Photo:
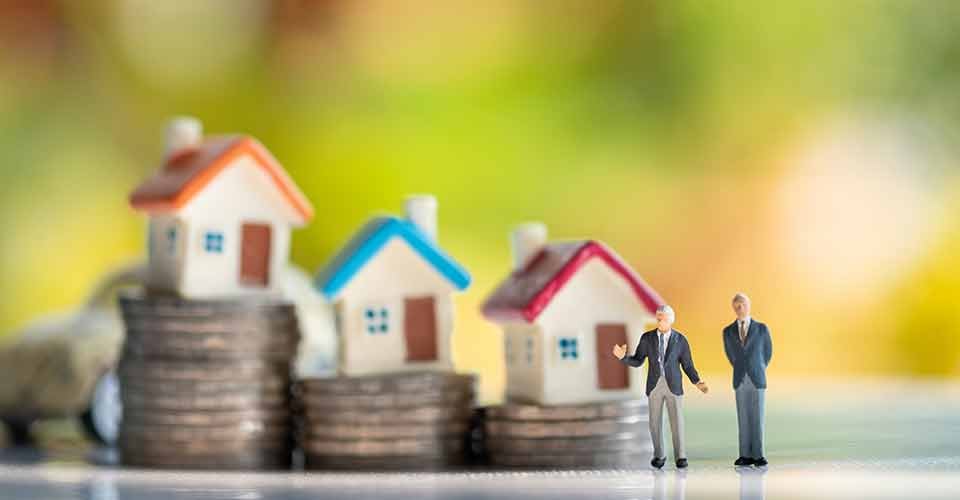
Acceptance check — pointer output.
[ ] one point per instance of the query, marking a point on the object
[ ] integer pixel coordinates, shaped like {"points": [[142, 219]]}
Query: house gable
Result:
{"points": [[422, 262]]}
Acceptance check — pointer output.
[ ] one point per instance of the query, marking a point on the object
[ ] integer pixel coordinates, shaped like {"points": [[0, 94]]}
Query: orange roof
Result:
{"points": [[187, 172]]}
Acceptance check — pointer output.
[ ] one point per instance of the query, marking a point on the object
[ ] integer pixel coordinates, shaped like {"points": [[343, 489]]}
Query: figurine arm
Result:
{"points": [[767, 347], [686, 362], [727, 348], [637, 358]]}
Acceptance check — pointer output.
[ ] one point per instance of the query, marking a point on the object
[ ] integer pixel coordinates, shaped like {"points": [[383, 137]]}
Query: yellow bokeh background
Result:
{"points": [[802, 152]]}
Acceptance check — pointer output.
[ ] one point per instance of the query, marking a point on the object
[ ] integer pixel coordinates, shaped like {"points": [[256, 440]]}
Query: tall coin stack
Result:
{"points": [[595, 435], [206, 384], [409, 421]]}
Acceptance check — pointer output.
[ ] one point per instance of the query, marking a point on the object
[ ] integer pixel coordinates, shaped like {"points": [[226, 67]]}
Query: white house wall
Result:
{"points": [[395, 273], [596, 294], [523, 357], [241, 193], [165, 255]]}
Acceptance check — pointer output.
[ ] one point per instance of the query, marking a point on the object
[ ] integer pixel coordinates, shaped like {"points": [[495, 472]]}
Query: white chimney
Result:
{"points": [[183, 132], [422, 211], [526, 240]]}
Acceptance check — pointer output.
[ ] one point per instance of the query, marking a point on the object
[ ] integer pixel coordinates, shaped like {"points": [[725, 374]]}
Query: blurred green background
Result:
{"points": [[802, 152]]}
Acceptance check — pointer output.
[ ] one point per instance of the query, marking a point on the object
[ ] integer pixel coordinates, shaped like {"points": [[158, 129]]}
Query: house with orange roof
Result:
{"points": [[562, 308], [220, 210]]}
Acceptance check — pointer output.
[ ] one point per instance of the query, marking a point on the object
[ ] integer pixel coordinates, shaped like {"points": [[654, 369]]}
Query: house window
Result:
{"points": [[530, 351], [172, 241], [213, 242], [376, 320], [568, 348]]}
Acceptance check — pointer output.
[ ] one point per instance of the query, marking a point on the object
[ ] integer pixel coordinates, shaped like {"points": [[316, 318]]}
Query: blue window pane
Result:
{"points": [[372, 329], [370, 313], [383, 327]]}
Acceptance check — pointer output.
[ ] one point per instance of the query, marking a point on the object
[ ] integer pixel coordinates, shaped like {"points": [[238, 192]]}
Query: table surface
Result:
{"points": [[825, 439]]}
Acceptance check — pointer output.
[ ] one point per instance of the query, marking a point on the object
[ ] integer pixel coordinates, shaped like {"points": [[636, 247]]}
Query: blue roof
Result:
{"points": [[370, 239]]}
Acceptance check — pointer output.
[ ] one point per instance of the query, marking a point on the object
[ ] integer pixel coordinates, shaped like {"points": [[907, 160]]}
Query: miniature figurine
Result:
{"points": [[392, 286], [747, 344], [562, 308], [220, 209], [668, 352]]}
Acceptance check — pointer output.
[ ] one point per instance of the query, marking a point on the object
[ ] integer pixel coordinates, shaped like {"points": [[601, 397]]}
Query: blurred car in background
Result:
{"points": [[62, 365]]}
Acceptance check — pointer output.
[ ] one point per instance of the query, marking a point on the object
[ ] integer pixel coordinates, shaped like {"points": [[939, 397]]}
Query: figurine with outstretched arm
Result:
{"points": [[668, 352], [747, 344]]}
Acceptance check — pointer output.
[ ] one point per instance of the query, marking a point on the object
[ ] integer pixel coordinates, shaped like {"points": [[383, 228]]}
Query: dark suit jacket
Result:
{"points": [[752, 358], [677, 356]]}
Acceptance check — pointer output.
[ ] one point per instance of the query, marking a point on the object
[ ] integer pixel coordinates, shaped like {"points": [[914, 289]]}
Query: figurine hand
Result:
{"points": [[620, 351], [703, 387]]}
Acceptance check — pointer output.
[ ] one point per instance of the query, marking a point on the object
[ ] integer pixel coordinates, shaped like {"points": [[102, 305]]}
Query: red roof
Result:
{"points": [[527, 292], [187, 172]]}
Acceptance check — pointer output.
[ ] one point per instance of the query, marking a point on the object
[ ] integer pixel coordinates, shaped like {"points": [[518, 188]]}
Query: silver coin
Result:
{"points": [[154, 299], [386, 400], [560, 429], [391, 383], [387, 416], [200, 418], [589, 411], [144, 447], [625, 441], [391, 447], [236, 340], [348, 431]]}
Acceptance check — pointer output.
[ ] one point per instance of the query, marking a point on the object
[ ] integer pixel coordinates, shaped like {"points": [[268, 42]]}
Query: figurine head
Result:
{"points": [[741, 305], [665, 318]]}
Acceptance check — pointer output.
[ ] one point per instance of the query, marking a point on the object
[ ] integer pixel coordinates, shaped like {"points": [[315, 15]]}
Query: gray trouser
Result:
{"points": [[750, 418], [661, 394]]}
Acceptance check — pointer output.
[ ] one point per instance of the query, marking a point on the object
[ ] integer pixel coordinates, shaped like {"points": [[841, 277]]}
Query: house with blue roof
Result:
{"points": [[392, 287]]}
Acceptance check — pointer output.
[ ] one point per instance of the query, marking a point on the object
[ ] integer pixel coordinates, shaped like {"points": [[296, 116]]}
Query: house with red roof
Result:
{"points": [[562, 309], [220, 211]]}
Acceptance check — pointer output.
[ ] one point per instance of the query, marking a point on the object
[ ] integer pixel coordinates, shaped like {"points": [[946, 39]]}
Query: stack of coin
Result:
{"points": [[408, 421], [206, 384], [596, 435]]}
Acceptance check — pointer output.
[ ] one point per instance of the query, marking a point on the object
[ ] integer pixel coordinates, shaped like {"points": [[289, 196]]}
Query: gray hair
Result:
{"points": [[665, 309], [740, 297]]}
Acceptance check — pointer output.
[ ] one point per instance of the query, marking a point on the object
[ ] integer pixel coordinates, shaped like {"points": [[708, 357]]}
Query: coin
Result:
{"points": [[181, 387], [387, 416], [140, 300], [392, 383], [237, 401], [589, 411], [356, 431], [201, 355], [250, 461], [198, 418], [184, 370], [386, 400], [247, 429], [570, 428], [620, 460], [432, 462], [391, 447], [614, 442]]}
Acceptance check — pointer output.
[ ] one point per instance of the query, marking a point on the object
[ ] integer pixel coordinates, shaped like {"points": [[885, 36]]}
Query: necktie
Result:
{"points": [[662, 350], [743, 333]]}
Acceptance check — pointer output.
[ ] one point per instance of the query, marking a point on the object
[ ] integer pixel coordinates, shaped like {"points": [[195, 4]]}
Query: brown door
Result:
{"points": [[611, 373], [420, 329], [255, 255]]}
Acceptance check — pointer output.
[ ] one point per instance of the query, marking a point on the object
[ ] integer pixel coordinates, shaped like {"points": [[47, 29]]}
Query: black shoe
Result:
{"points": [[743, 462], [760, 462], [658, 463], [681, 463]]}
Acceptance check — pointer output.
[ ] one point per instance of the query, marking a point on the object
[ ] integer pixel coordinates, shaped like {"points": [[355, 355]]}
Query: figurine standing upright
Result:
{"points": [[668, 351], [747, 344]]}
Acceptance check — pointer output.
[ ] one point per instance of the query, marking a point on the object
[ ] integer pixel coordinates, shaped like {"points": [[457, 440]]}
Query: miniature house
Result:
{"points": [[220, 212], [392, 287], [562, 309]]}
